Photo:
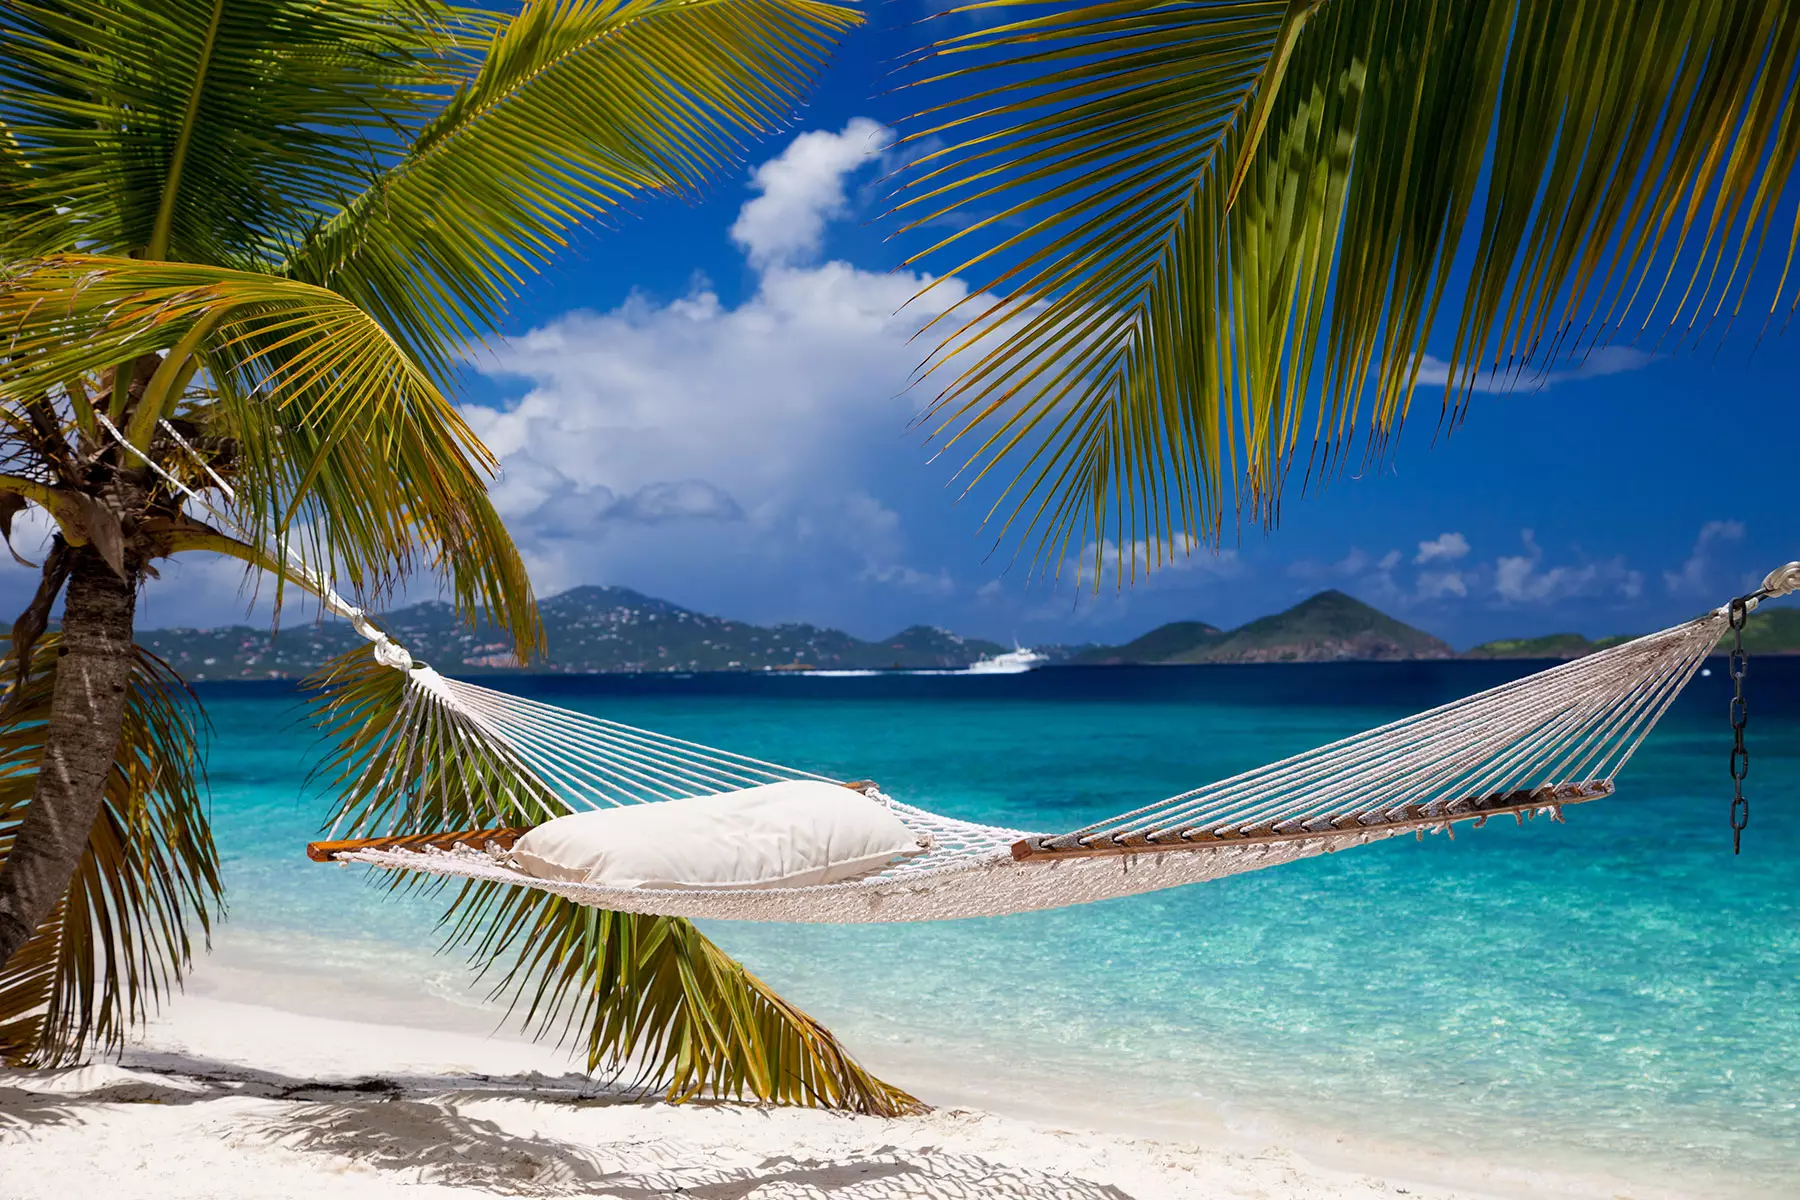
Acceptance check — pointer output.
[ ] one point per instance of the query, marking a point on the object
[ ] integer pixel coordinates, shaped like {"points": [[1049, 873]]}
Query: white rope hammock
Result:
{"points": [[1525, 748]]}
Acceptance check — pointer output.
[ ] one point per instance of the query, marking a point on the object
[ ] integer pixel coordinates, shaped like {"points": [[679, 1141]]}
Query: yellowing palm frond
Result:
{"points": [[122, 937], [654, 995], [646, 993], [1224, 232], [347, 450]]}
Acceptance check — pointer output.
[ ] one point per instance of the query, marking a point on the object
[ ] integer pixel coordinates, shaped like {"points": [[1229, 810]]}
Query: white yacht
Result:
{"points": [[1016, 661]]}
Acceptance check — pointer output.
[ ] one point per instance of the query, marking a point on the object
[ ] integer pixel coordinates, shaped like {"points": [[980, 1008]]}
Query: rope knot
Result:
{"points": [[390, 653], [387, 651], [1782, 580]]}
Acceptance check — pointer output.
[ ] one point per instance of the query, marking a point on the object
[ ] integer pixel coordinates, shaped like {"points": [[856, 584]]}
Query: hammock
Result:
{"points": [[1526, 748]]}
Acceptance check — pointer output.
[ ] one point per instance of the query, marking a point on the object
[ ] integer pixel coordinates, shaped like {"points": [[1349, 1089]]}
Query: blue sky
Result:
{"points": [[708, 403]]}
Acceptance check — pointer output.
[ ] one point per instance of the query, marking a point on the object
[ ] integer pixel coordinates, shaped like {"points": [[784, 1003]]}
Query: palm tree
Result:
{"points": [[1218, 236], [243, 245]]}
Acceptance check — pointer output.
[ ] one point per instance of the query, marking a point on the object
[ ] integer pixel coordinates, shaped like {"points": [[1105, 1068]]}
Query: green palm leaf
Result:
{"points": [[567, 110], [636, 992], [346, 451], [1222, 232], [209, 130], [122, 937]]}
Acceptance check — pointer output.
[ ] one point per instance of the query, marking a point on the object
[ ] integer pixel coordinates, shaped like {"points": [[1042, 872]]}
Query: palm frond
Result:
{"points": [[122, 937], [348, 452], [567, 110], [646, 995], [1223, 232], [203, 130], [403, 761], [653, 998]]}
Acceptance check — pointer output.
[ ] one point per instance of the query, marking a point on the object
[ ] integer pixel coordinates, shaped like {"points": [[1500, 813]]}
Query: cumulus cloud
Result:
{"points": [[1523, 578], [763, 412], [802, 188], [761, 433], [1695, 575], [1446, 547], [1438, 585]]}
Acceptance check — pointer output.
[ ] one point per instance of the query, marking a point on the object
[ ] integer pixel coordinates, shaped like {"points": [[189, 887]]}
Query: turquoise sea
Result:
{"points": [[1615, 1000]]}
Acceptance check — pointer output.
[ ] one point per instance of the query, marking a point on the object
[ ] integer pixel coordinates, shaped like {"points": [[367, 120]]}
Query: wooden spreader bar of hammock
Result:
{"points": [[479, 839], [1436, 814]]}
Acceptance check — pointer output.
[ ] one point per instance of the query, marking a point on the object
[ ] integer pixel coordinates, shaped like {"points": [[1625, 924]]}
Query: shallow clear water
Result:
{"points": [[1618, 995]]}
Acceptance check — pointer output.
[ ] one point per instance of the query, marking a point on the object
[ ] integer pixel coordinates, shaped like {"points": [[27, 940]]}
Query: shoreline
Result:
{"points": [[341, 1052]]}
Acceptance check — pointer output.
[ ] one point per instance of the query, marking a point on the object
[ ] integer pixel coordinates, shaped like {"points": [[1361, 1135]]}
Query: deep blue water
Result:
{"points": [[1619, 993]]}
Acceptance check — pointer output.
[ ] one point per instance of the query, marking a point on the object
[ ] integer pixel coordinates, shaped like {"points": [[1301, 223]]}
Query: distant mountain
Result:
{"points": [[1325, 628], [1768, 631], [1165, 643], [1551, 645], [1328, 627], [1772, 631], [586, 629], [617, 629]]}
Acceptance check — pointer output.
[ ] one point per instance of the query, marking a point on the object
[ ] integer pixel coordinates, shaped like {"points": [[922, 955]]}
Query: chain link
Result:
{"points": [[1740, 716]]}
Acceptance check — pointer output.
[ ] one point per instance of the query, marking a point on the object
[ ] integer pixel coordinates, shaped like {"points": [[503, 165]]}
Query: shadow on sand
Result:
{"points": [[415, 1128]]}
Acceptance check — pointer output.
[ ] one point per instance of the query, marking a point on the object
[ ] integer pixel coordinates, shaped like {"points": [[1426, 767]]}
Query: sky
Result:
{"points": [[709, 402]]}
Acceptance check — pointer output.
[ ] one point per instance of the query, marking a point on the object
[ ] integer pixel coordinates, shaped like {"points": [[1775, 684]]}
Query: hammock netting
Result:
{"points": [[1525, 749]]}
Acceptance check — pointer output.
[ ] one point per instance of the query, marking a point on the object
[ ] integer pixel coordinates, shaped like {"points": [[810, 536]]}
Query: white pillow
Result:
{"points": [[789, 834]]}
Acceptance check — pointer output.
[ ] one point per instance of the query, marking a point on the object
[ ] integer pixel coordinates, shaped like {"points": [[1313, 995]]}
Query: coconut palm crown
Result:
{"points": [[1216, 237], [243, 245]]}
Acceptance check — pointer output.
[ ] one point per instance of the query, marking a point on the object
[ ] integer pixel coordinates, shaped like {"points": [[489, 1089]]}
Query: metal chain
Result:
{"points": [[1740, 716]]}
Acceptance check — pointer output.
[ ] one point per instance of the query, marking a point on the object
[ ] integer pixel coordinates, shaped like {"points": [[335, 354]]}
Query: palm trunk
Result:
{"points": [[87, 710]]}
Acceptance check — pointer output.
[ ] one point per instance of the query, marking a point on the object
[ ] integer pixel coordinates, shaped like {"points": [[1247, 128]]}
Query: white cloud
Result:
{"points": [[929, 583], [1446, 547], [1389, 561], [764, 413], [1523, 579], [1695, 575], [1144, 557], [803, 187], [763, 438], [1599, 362], [1436, 585]]}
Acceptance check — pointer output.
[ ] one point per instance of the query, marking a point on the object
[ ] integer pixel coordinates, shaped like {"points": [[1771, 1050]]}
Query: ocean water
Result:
{"points": [[1615, 1000]]}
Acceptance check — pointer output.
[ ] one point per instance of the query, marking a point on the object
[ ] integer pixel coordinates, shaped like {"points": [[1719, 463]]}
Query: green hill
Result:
{"points": [[1771, 631], [1162, 644], [1768, 631], [1327, 627], [1551, 645]]}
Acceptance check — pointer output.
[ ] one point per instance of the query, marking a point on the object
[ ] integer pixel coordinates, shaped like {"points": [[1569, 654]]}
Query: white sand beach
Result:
{"points": [[220, 1098], [231, 1100]]}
